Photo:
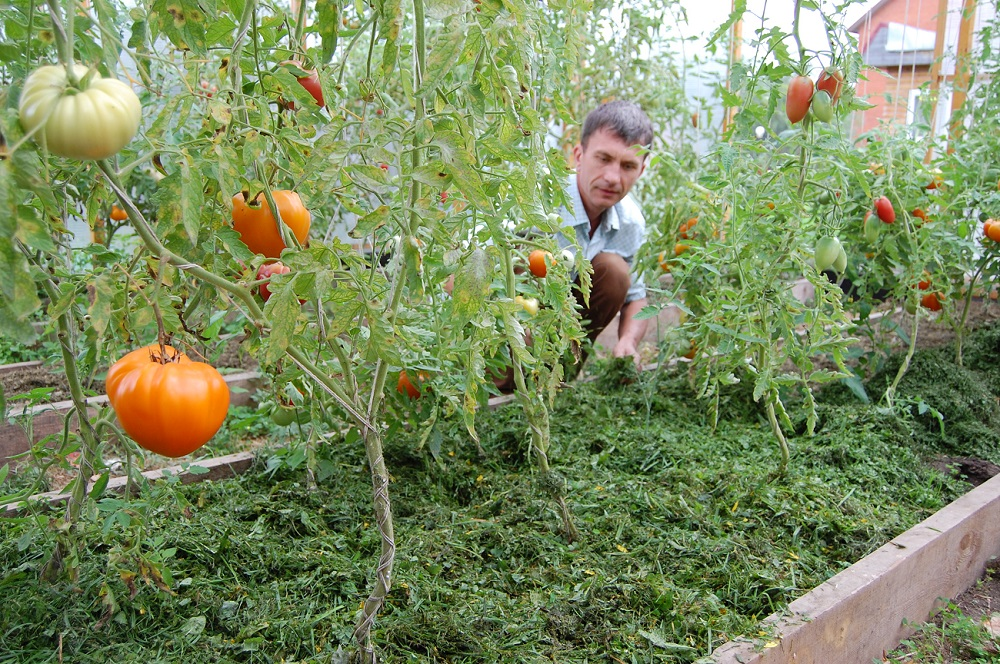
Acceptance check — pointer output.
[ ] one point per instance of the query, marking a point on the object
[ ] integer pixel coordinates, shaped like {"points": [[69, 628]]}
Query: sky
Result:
{"points": [[704, 16]]}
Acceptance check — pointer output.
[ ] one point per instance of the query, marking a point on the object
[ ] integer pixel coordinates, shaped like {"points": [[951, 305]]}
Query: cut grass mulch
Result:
{"points": [[688, 538]]}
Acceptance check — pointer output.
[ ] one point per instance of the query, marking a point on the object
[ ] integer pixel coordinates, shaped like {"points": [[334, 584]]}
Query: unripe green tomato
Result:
{"points": [[822, 106], [824, 198], [840, 265], [827, 250], [910, 305], [282, 416], [93, 122], [871, 229]]}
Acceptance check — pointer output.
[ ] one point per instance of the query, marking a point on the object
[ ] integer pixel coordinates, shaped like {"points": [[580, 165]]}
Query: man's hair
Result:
{"points": [[622, 118]]}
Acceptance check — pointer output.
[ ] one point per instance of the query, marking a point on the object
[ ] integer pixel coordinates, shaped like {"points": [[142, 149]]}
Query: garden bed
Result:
{"points": [[688, 537]]}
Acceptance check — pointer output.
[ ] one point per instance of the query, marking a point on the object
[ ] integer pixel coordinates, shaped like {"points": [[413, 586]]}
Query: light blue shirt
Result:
{"points": [[621, 231]]}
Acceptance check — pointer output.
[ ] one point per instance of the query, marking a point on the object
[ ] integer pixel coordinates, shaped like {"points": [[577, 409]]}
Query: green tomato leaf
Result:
{"points": [[472, 285], [282, 310], [100, 309], [328, 26], [183, 23]]}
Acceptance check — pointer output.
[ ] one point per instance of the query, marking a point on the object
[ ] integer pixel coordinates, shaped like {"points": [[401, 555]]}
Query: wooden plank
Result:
{"points": [[17, 366], [860, 612], [49, 419], [219, 468]]}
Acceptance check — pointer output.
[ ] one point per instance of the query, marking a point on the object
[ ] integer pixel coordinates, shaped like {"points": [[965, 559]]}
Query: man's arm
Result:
{"points": [[630, 330]]}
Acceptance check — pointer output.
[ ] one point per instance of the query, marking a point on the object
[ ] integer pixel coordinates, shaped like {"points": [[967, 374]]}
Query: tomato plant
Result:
{"points": [[167, 403], [258, 228], [91, 118], [800, 93]]}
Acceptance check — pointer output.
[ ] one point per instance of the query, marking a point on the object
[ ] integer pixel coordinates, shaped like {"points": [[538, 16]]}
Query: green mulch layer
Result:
{"points": [[689, 537]]}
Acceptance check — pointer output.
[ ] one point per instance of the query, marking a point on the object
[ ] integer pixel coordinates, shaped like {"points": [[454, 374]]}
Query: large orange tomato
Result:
{"points": [[168, 404], [258, 228]]}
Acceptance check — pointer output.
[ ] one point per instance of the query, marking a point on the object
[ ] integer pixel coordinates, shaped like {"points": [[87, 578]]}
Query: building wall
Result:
{"points": [[889, 90], [920, 14]]}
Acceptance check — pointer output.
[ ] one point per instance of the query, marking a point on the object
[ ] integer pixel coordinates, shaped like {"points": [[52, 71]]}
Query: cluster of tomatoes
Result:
{"points": [[819, 97], [991, 229], [685, 232]]}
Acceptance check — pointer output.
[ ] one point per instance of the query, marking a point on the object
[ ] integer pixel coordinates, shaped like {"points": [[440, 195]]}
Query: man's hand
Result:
{"points": [[630, 331], [625, 348]]}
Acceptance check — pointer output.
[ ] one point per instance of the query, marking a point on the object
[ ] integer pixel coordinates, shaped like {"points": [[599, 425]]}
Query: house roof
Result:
{"points": [[871, 12]]}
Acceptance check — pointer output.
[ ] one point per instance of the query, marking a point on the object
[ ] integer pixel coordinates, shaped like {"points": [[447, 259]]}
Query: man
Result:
{"points": [[606, 223]]}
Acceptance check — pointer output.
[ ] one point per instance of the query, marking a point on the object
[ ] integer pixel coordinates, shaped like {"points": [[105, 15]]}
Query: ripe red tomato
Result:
{"points": [[307, 78], [924, 283], [312, 86], [266, 271], [118, 214], [406, 387], [831, 81], [884, 210], [800, 92], [169, 404], [258, 228], [538, 262], [932, 301]]}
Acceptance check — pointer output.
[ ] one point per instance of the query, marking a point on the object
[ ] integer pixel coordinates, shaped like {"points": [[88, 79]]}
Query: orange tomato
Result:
{"points": [[170, 405], [118, 214], [680, 248], [919, 214], [993, 232], [924, 283], [259, 229], [538, 263], [932, 301], [687, 226]]}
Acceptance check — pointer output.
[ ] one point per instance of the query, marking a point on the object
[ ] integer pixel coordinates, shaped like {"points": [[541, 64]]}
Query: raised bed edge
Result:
{"points": [[218, 468], [867, 610]]}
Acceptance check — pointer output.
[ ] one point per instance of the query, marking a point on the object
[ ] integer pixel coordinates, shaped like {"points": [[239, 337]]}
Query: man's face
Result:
{"points": [[606, 170]]}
